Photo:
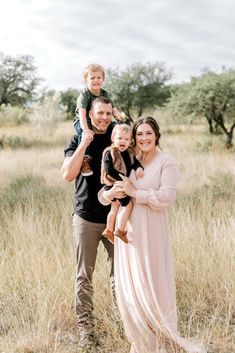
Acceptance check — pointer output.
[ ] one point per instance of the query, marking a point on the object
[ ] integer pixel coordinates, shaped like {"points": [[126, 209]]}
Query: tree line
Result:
{"points": [[135, 90]]}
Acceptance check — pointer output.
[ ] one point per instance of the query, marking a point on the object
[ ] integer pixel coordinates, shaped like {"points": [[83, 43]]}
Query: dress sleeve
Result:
{"points": [[164, 196], [102, 197]]}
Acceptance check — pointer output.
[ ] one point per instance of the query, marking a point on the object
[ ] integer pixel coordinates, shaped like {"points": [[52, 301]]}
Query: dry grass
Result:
{"points": [[37, 255]]}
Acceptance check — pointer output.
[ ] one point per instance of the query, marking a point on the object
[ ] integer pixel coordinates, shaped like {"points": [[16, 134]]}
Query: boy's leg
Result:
{"points": [[78, 130], [85, 167], [89, 123]]}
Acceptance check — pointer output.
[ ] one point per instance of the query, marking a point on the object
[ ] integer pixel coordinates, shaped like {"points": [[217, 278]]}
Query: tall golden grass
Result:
{"points": [[37, 255]]}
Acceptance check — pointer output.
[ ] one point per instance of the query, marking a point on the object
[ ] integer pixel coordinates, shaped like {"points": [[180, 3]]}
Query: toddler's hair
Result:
{"points": [[93, 68], [121, 127]]}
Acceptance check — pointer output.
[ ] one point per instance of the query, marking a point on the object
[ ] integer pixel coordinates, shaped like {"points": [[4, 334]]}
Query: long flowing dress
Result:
{"points": [[144, 273]]}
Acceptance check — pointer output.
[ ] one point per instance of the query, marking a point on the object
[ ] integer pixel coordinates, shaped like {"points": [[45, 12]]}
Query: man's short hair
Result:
{"points": [[100, 99]]}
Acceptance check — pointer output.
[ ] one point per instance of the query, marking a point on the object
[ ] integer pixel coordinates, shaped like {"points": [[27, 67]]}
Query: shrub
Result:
{"points": [[47, 114], [13, 142], [10, 115]]}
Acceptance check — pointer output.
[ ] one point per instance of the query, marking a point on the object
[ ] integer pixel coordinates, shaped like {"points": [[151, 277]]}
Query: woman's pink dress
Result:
{"points": [[144, 272]]}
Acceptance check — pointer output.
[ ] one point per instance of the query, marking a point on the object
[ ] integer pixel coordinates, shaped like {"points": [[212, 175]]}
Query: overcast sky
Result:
{"points": [[66, 35]]}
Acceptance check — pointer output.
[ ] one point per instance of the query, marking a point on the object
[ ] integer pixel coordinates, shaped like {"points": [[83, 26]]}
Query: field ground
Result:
{"points": [[37, 254]]}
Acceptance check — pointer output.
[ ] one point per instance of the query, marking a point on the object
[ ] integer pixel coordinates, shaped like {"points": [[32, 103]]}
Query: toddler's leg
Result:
{"points": [[111, 218], [122, 219]]}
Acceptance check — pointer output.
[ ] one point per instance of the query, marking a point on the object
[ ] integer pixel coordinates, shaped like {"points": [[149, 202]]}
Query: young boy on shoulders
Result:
{"points": [[94, 76]]}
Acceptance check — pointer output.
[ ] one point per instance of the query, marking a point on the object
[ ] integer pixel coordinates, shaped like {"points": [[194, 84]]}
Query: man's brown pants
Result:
{"points": [[87, 236]]}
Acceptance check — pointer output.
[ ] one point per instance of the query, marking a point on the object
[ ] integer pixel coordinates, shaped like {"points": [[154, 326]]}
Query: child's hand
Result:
{"points": [[139, 173], [121, 117]]}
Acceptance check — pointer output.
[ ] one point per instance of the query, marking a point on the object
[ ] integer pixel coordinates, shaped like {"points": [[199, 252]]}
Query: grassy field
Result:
{"points": [[37, 255]]}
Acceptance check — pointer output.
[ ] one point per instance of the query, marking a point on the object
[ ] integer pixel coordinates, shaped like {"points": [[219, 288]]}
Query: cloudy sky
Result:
{"points": [[65, 35]]}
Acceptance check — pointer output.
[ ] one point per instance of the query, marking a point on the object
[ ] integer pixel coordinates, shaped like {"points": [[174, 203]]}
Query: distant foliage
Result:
{"points": [[139, 87], [46, 114], [18, 79], [13, 142], [12, 115], [69, 99], [212, 96]]}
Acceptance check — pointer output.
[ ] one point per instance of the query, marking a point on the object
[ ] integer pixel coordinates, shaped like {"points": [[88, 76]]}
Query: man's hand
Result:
{"points": [[72, 165], [87, 137]]}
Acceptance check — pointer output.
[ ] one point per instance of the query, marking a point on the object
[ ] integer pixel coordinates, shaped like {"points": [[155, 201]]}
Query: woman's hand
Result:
{"points": [[126, 186]]}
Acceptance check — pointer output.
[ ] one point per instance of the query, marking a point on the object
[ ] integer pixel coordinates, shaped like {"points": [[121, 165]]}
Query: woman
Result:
{"points": [[144, 273]]}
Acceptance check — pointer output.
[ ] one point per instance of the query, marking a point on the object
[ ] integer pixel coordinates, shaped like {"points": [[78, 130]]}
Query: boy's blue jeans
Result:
{"points": [[78, 129]]}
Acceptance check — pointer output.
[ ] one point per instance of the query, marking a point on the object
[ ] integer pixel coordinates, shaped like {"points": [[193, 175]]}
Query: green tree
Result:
{"points": [[138, 87], [212, 95], [69, 99], [18, 79]]}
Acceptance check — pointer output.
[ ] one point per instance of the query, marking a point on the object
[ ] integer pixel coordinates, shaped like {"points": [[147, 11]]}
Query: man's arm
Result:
{"points": [[72, 165]]}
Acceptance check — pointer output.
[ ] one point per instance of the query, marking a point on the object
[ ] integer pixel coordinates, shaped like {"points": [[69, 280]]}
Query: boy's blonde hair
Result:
{"points": [[123, 128], [93, 68]]}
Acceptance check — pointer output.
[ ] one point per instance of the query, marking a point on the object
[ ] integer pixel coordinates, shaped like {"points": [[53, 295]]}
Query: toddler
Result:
{"points": [[119, 158]]}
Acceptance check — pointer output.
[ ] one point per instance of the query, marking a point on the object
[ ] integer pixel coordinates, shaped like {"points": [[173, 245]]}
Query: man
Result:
{"points": [[89, 215]]}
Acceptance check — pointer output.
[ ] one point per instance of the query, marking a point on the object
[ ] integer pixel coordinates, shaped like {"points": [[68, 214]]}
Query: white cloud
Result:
{"points": [[63, 37]]}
